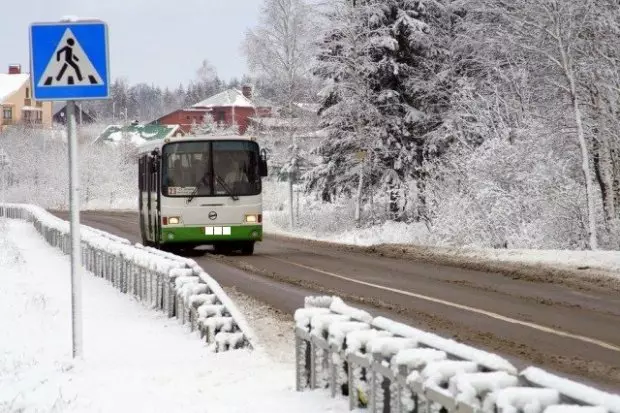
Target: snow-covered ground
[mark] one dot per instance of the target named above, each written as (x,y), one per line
(135,358)
(386,233)
(597,260)
(401,234)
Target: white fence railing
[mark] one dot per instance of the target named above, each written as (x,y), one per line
(166,282)
(385,366)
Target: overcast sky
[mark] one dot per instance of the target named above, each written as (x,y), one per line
(148,42)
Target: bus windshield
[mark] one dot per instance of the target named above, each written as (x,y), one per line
(213,168)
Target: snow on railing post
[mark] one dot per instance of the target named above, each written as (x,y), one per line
(138,281)
(100,267)
(150,295)
(172,299)
(300,365)
(131,277)
(128,269)
(120,266)
(166,296)
(134,280)
(380,395)
(338,332)
(383,390)
(304,362)
(147,288)
(124,264)
(141,277)
(115,269)
(106,265)
(159,305)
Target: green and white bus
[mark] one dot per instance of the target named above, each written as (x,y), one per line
(201,190)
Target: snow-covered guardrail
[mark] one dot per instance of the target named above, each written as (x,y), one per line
(163,281)
(390,367)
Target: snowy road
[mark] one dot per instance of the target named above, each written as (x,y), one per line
(135,358)
(569,327)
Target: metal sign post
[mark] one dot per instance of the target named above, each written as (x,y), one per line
(69,62)
(76,264)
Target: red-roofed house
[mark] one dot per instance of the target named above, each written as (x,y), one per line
(224,107)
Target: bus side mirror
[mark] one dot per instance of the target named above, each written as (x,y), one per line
(263,169)
(155,161)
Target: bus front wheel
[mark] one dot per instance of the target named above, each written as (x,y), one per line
(247,248)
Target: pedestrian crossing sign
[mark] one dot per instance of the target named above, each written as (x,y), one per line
(69,60)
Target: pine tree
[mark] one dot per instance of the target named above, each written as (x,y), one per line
(381,63)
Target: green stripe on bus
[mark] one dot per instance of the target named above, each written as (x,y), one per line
(192,234)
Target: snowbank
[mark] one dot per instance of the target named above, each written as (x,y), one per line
(134,359)
(402,236)
(602,260)
(276,222)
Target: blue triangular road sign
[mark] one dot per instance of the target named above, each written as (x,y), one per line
(69,61)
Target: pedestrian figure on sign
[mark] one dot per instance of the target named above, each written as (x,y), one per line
(70,60)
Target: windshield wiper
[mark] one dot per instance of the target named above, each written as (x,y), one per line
(201,182)
(226,188)
(198,185)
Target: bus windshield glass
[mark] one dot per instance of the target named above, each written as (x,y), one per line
(213,168)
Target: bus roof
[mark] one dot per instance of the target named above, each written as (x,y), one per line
(157,144)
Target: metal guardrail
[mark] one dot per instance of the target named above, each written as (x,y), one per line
(174,285)
(388,367)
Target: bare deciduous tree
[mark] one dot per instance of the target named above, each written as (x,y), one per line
(558,33)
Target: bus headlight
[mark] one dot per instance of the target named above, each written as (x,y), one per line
(172,221)
(251,219)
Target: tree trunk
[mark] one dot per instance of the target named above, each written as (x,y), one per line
(615,165)
(585,166)
(360,190)
(601,158)
(585,153)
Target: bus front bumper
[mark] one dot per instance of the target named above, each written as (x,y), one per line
(211,234)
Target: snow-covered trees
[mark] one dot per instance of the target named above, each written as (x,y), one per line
(210,127)
(39,171)
(544,70)
(493,122)
(382,63)
(280,50)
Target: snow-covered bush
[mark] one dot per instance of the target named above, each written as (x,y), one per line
(523,194)
(39,170)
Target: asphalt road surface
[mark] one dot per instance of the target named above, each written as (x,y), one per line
(571,328)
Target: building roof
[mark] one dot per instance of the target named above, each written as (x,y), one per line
(10,84)
(136,134)
(230,97)
(58,107)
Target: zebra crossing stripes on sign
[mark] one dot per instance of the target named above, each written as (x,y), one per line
(69,60)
